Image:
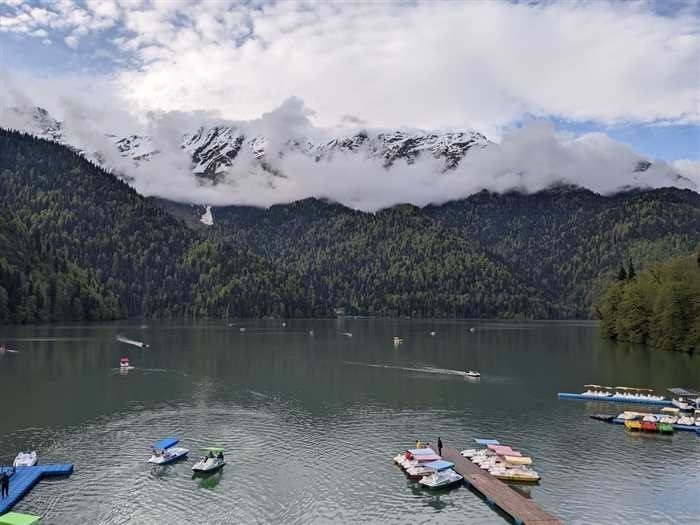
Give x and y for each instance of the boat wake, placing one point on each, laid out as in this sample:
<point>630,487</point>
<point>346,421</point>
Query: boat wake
<point>128,341</point>
<point>420,370</point>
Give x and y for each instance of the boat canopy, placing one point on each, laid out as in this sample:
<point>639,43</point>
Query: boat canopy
<point>165,443</point>
<point>421,451</point>
<point>427,457</point>
<point>682,392</point>
<point>486,441</point>
<point>670,410</point>
<point>597,386</point>
<point>212,449</point>
<point>439,465</point>
<point>634,389</point>
<point>502,450</point>
<point>15,518</point>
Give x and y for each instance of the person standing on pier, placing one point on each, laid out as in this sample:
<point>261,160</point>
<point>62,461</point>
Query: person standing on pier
<point>5,484</point>
<point>439,446</point>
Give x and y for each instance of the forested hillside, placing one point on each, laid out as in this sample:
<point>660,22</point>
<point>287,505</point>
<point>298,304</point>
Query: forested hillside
<point>152,263</point>
<point>659,306</point>
<point>559,246</point>
<point>509,255</point>
<point>38,284</point>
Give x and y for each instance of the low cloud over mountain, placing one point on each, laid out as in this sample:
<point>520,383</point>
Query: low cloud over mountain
<point>282,157</point>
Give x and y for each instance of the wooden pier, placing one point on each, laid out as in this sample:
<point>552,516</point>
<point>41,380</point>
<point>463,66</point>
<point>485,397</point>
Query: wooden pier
<point>519,508</point>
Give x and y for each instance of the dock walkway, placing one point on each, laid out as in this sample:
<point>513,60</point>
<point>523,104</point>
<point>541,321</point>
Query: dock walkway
<point>24,478</point>
<point>522,510</point>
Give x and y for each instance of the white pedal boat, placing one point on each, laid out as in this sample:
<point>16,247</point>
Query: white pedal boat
<point>440,480</point>
<point>25,459</point>
<point>165,451</point>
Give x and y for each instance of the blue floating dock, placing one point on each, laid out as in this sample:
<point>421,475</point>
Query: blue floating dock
<point>566,395</point>
<point>22,479</point>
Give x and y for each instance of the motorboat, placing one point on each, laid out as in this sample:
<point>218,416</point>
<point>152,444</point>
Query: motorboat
<point>472,373</point>
<point>214,460</point>
<point>669,415</point>
<point>124,362</point>
<point>165,451</point>
<point>398,340</point>
<point>685,400</point>
<point>442,479</point>
<point>25,459</point>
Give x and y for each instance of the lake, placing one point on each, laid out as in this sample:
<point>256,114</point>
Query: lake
<point>310,422</point>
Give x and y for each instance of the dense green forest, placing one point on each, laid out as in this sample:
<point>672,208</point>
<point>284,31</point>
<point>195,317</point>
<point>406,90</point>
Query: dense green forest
<point>546,254</point>
<point>151,262</point>
<point>659,306</point>
<point>39,284</point>
<point>509,255</point>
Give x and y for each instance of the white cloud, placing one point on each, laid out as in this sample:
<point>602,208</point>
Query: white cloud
<point>427,64</point>
<point>72,41</point>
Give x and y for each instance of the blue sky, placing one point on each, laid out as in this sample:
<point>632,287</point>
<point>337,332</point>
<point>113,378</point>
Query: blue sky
<point>630,70</point>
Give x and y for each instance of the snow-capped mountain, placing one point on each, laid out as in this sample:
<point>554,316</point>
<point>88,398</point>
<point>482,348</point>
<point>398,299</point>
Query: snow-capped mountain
<point>215,149</point>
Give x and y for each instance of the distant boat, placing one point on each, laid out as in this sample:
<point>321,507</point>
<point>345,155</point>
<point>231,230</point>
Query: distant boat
<point>472,329</point>
<point>311,332</point>
<point>284,325</point>
<point>347,334</point>
<point>472,373</point>
<point>124,363</point>
<point>211,462</point>
<point>25,459</point>
<point>433,333</point>
<point>241,329</point>
<point>398,340</point>
<point>165,451</point>
<point>132,342</point>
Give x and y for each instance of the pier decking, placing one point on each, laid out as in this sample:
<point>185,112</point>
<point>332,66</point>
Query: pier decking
<point>24,478</point>
<point>520,509</point>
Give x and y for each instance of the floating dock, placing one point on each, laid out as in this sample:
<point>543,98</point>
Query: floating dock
<point>523,511</point>
<point>583,397</point>
<point>22,479</point>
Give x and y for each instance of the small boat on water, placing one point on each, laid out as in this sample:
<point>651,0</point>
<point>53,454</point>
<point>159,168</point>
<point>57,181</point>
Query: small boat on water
<point>664,428</point>
<point>415,456</point>
<point>398,340</point>
<point>214,460</point>
<point>608,418</point>
<point>25,459</point>
<point>441,480</point>
<point>518,474</point>
<point>165,451</point>
<point>131,342</point>
<point>649,424</point>
<point>124,362</point>
<point>425,469</point>
<point>633,424</point>
<point>685,400</point>
<point>472,373</point>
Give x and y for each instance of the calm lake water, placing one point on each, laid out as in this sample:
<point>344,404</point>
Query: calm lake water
<point>310,423</point>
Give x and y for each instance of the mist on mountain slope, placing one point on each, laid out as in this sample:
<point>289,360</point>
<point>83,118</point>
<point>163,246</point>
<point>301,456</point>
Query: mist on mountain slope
<point>529,158</point>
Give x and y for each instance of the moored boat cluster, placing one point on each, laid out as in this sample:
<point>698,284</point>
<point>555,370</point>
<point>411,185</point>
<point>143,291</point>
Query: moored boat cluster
<point>423,465</point>
<point>502,462</point>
